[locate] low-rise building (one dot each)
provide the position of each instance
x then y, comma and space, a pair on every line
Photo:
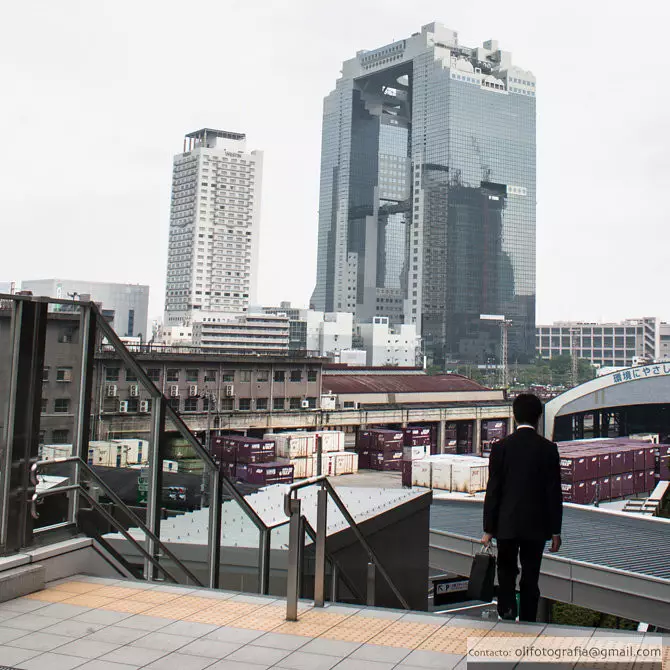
265, 334
603, 344
389, 345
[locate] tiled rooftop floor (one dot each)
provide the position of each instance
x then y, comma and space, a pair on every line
104, 624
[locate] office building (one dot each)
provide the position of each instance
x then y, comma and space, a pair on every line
126, 304
387, 345
427, 201
621, 344
214, 226
7, 287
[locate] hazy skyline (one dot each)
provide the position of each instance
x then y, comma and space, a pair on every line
99, 94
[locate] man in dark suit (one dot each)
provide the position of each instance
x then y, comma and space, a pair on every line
523, 508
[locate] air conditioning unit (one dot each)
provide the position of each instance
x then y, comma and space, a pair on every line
112, 390
193, 390
144, 405
174, 391
134, 390
123, 407
304, 404
229, 390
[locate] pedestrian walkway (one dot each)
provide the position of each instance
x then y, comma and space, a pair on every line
105, 624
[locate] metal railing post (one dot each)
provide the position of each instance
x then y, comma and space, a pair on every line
155, 492
264, 562
292, 509
215, 504
82, 421
320, 548
370, 585
319, 454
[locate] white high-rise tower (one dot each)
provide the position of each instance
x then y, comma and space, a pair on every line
214, 227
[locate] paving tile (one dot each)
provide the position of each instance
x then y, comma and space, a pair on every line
8, 614
236, 665
74, 586
95, 580
258, 655
508, 627
430, 659
71, 628
117, 635
280, 641
39, 641
179, 590
567, 631
128, 606
30, 622
62, 611
254, 600
152, 596
330, 647
373, 652
356, 629
467, 622
392, 615
135, 656
106, 665
52, 661
217, 595
102, 617
179, 661
117, 591
232, 634
142, 622
12, 656
9, 634
49, 596
22, 605
356, 664
404, 634
189, 628
210, 648
91, 600
88, 648
300, 660
424, 618
162, 640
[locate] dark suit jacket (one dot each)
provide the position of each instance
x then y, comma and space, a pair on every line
523, 496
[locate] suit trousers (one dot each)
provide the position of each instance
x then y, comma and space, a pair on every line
509, 552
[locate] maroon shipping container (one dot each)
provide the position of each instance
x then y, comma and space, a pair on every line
628, 458
577, 492
639, 459
406, 469
627, 484
380, 439
265, 473
385, 460
604, 464
605, 488
417, 441
575, 468
650, 456
649, 480
662, 464
363, 439
364, 460
417, 431
618, 465
639, 481
241, 449
616, 482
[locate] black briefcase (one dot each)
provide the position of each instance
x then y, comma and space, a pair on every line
482, 577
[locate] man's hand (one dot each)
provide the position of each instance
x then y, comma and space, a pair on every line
486, 539
555, 543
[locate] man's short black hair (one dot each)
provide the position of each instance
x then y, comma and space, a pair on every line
527, 408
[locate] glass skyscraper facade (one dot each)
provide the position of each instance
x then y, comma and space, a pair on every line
427, 204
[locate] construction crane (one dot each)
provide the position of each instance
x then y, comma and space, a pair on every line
505, 325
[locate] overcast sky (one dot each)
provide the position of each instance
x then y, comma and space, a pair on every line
97, 95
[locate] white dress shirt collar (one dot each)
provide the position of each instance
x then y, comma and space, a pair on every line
525, 425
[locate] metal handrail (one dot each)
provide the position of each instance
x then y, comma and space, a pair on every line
117, 501
296, 530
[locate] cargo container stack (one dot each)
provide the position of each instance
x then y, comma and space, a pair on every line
417, 444
250, 460
492, 431
299, 448
380, 449
607, 469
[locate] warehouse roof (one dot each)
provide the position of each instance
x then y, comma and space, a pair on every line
614, 540
399, 383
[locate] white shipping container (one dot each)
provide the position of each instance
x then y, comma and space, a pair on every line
332, 464
441, 475
469, 477
421, 473
414, 453
293, 444
331, 440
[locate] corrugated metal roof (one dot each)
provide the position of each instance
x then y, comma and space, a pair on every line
400, 383
639, 545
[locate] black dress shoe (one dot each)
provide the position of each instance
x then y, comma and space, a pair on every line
508, 615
